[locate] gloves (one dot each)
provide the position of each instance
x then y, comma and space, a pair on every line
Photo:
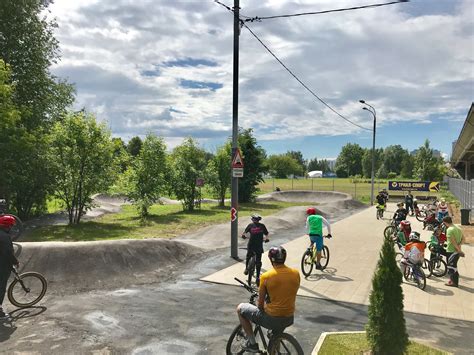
243, 236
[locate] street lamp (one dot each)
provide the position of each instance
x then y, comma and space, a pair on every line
372, 111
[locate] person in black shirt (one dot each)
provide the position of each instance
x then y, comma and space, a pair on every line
409, 202
7, 257
400, 214
257, 232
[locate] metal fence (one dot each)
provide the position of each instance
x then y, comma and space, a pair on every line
463, 190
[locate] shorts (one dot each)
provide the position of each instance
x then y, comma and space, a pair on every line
257, 316
318, 239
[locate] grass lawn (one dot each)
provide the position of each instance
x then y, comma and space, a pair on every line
165, 221
357, 344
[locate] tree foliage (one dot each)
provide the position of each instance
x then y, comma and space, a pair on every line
298, 156
82, 160
218, 173
146, 178
427, 167
393, 158
254, 165
283, 165
189, 162
349, 161
386, 329
134, 146
321, 165
367, 161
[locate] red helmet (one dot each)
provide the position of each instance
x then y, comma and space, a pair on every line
311, 210
7, 221
277, 254
405, 224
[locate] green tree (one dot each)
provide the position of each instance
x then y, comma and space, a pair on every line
298, 156
427, 167
83, 163
254, 165
146, 178
349, 161
282, 165
322, 165
218, 173
367, 161
189, 161
120, 153
386, 329
408, 165
393, 158
134, 146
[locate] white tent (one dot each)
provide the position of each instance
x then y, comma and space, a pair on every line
315, 174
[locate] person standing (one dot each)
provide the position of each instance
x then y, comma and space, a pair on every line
7, 258
453, 250
409, 203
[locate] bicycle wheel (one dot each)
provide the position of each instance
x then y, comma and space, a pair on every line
234, 344
439, 267
17, 229
390, 232
427, 268
307, 263
324, 257
420, 277
251, 270
28, 290
420, 216
284, 344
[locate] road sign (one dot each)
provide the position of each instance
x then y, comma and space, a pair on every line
237, 162
233, 214
434, 186
238, 172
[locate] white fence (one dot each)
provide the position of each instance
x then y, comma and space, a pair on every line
463, 190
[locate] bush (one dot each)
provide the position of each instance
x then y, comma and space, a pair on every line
391, 175
386, 329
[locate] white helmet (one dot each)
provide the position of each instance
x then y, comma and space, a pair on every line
414, 236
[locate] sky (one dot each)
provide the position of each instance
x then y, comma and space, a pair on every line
166, 67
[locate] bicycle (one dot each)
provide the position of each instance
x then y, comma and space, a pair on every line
273, 343
17, 229
252, 266
26, 289
438, 265
309, 259
391, 231
426, 265
380, 211
413, 272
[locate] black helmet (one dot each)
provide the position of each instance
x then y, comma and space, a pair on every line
277, 254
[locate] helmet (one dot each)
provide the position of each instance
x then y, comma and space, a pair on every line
255, 217
7, 221
400, 204
405, 224
414, 200
311, 210
443, 200
277, 254
414, 236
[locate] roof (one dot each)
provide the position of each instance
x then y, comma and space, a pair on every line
463, 149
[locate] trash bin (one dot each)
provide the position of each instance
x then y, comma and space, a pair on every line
465, 216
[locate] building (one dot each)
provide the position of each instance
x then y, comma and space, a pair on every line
462, 157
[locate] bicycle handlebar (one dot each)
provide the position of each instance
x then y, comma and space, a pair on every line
247, 287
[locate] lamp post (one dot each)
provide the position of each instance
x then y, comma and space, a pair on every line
372, 111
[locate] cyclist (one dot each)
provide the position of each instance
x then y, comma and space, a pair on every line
276, 300
409, 202
7, 257
385, 193
437, 242
258, 234
314, 225
403, 233
414, 251
381, 201
400, 214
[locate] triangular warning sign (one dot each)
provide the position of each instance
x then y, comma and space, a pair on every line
237, 162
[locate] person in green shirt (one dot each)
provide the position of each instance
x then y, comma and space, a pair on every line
453, 250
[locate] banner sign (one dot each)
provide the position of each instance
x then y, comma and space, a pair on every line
432, 186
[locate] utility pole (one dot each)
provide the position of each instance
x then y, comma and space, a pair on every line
234, 253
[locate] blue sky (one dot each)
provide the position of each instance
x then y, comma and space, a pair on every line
165, 66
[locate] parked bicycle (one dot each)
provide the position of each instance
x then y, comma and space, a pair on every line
309, 259
271, 343
17, 229
26, 289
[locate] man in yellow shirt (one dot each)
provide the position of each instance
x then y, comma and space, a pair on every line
276, 300
453, 250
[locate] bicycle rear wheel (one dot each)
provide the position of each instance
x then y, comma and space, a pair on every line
307, 263
324, 257
28, 290
284, 344
438, 267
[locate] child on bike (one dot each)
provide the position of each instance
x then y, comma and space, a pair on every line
400, 214
257, 232
380, 202
314, 225
7, 257
403, 233
414, 251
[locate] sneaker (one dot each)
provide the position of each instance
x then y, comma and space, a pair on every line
4, 315
251, 348
451, 284
318, 266
246, 272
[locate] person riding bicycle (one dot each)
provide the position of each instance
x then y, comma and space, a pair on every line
257, 232
400, 214
404, 232
314, 225
381, 201
385, 193
414, 251
442, 209
7, 257
437, 242
276, 300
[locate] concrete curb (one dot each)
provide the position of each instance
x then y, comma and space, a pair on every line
322, 337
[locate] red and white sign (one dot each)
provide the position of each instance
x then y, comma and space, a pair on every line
237, 162
233, 214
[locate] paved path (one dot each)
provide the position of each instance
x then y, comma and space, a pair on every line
354, 254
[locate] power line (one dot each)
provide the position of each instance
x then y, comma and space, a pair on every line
257, 18
302, 83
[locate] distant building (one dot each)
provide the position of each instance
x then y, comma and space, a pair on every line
315, 174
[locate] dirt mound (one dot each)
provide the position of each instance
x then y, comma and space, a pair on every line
304, 196
82, 266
